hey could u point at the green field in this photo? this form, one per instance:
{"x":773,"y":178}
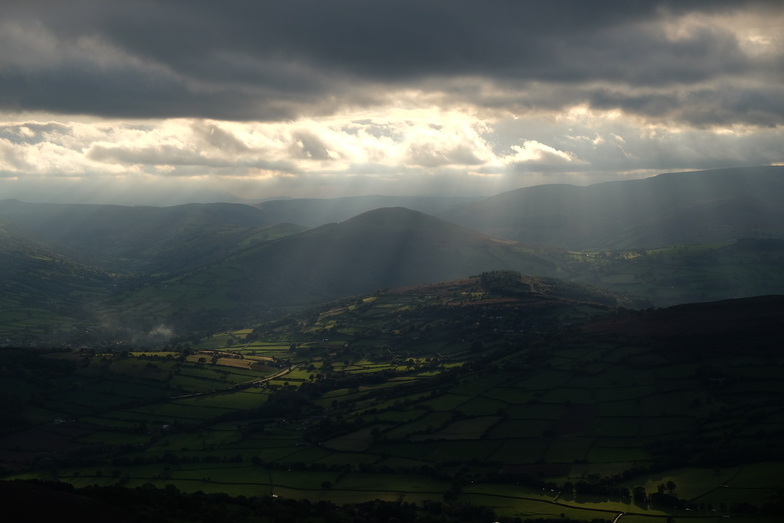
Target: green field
{"x":532,"y":426}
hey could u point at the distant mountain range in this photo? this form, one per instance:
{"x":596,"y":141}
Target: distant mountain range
{"x":155,"y":264}
{"x":669,"y":209}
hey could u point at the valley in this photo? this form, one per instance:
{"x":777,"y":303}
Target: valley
{"x":397,"y":361}
{"x":428,"y":391}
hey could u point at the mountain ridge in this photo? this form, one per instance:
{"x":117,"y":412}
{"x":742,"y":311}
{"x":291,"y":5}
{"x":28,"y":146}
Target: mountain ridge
{"x":605,"y":215}
{"x":379,"y":249}
{"x":313,"y":212}
{"x":139,"y":239}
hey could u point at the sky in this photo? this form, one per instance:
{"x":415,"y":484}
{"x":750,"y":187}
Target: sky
{"x":105,"y":100}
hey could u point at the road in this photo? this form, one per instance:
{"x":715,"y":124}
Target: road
{"x":234,"y":387}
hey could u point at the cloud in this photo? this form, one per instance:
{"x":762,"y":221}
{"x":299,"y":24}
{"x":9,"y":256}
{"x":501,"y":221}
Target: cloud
{"x":284,"y":60}
{"x":12,"y":157}
{"x":310,"y":147}
{"x":392,"y":152}
{"x":305,"y":97}
{"x":540,"y":154}
{"x":215,"y":136}
{"x":427,"y":155}
{"x":151,"y":155}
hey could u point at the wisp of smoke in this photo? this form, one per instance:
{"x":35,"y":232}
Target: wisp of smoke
{"x":161,"y":331}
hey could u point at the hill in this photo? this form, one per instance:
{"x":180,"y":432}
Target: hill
{"x":708,"y":328}
{"x":669,"y":209}
{"x":314,"y":212}
{"x":211,"y":267}
{"x":396,"y":247}
{"x":43,"y":290}
{"x":145,"y":239}
{"x":61,"y":264}
{"x":381,"y":248}
{"x":685,"y":273}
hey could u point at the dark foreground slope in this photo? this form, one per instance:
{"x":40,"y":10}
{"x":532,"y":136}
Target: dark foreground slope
{"x":44,"y":502}
{"x":747,"y":325}
{"x":669,"y":209}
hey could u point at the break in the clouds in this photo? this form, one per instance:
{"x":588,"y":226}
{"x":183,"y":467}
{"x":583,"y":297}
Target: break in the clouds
{"x":323,"y":98}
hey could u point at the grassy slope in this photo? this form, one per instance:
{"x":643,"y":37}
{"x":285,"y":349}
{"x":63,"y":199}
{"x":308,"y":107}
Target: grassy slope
{"x":393,"y":247}
{"x":686,"y":273}
{"x":41,"y":288}
{"x":47,"y":291}
{"x":572,"y":407}
{"x":366,"y":254}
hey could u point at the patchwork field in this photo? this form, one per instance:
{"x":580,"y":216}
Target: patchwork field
{"x":592,"y":422}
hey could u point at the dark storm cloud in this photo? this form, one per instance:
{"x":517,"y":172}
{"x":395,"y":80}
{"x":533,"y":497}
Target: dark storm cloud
{"x":136,"y":91}
{"x":279,"y":60}
{"x":701,"y":107}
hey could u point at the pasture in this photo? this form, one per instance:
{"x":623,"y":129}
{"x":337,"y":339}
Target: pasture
{"x":380,"y":409}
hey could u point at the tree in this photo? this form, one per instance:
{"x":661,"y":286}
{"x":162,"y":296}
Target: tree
{"x":639,"y":495}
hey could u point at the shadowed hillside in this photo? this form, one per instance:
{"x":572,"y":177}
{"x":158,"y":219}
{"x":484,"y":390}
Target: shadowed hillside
{"x":381,"y":248}
{"x":313,"y":212}
{"x":744,"y":325}
{"x":150,"y":239}
{"x":41,"y":287}
{"x":378,"y":249}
